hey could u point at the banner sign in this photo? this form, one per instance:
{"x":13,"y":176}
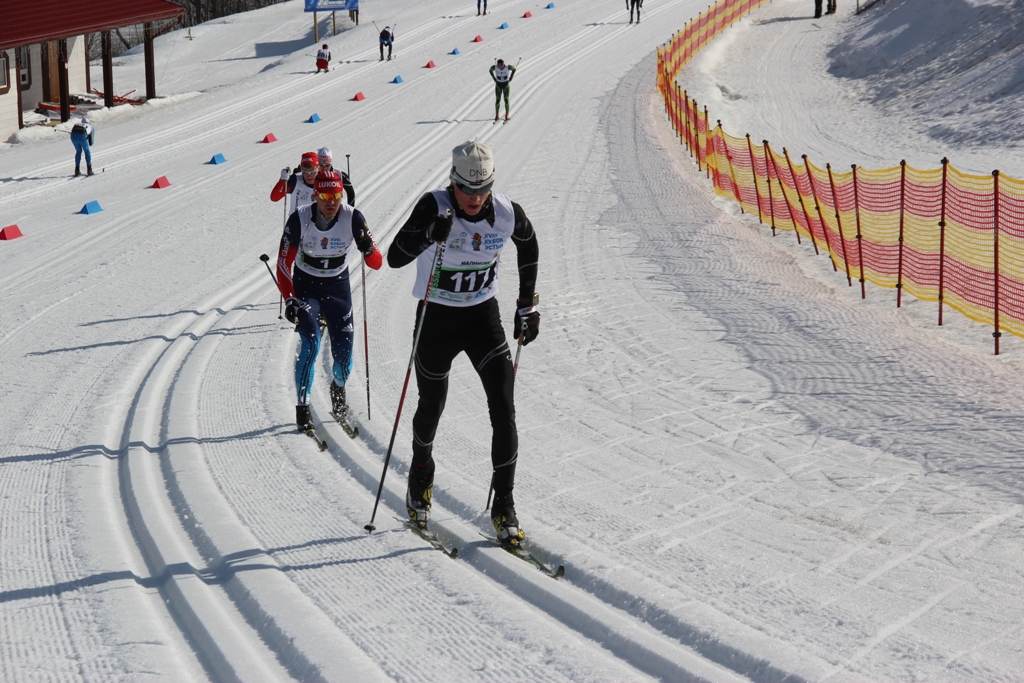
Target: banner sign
{"x":325,"y":5}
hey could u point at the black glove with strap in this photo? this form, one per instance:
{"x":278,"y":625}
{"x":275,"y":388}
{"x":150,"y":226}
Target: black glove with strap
{"x":292,"y":307}
{"x":527,"y":319}
{"x":441,"y":228}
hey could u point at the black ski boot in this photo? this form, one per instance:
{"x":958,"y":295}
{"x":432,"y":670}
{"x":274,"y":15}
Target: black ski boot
{"x":89,"y":170}
{"x":77,"y":172}
{"x":418,"y":497}
{"x":506,"y":524}
{"x":303,"y":420}
{"x":339,"y":406}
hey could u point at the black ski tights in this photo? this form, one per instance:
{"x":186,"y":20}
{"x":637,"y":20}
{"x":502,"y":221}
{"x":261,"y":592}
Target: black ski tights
{"x":447,"y":332}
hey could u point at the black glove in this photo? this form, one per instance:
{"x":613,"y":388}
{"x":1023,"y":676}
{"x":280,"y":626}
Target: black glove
{"x":527,"y":320}
{"x":441,"y":228}
{"x":291,"y":309}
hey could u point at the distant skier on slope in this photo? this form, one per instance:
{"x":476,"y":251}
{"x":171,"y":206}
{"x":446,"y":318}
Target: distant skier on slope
{"x":316,"y":241}
{"x":636,"y":5}
{"x":297,"y":184}
{"x":353,"y":10}
{"x":387,"y":37}
{"x":502,"y":74}
{"x":478,"y":7}
{"x":83,"y":136}
{"x":323,"y":59}
{"x":326,"y":159}
{"x":461,"y":315}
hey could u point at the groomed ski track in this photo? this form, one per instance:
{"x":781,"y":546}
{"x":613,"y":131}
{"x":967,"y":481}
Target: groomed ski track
{"x":163,"y":521}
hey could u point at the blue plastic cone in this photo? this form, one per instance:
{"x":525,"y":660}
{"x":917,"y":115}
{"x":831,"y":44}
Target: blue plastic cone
{"x":91,"y":207}
{"x":455,"y":51}
{"x":503,"y":25}
{"x":315,"y":118}
{"x":398,"y":79}
{"x":551,"y":5}
{"x":218,"y":158}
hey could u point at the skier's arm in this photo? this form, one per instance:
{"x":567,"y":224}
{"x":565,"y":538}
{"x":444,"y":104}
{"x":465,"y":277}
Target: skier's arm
{"x":511,"y":73}
{"x":286,"y":255}
{"x":350,"y":191}
{"x":414,"y":237}
{"x":283,"y":188}
{"x":364,"y":241}
{"x":528,"y":253}
{"x":493,"y":77}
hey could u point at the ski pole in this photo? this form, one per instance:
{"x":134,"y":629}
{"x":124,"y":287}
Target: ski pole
{"x":434,"y":273}
{"x":366,"y":329}
{"x":280,"y":301}
{"x":515,"y":368}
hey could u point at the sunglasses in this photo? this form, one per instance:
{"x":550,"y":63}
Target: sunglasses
{"x":328,"y":196}
{"x":307,"y":169}
{"x":470,"y":189}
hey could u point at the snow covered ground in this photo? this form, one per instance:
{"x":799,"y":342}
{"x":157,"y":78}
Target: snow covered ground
{"x":748,"y":473}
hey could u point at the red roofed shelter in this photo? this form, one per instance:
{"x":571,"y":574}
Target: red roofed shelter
{"x":52,"y":33}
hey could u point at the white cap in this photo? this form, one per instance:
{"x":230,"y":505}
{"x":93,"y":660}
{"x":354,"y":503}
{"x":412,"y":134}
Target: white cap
{"x":85,"y":119}
{"x":472,"y":164}
{"x":325,"y":156}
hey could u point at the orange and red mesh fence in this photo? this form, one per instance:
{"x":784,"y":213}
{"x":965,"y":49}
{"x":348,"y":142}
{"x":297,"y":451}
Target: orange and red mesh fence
{"x":940,"y":235}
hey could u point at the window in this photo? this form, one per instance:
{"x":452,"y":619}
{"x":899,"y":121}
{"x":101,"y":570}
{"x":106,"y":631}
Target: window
{"x":26,"y":67}
{"x":5,"y":73}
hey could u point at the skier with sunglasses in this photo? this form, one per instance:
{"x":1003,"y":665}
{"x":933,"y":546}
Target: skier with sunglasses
{"x":471,"y":224}
{"x":312,"y":274}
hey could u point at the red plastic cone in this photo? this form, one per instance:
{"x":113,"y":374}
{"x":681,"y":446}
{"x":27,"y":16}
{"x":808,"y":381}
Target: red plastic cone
{"x":11,"y":232}
{"x":269,"y":137}
{"x":527,"y":15}
{"x":478,"y":39}
{"x":430,"y":64}
{"x":359,"y":97}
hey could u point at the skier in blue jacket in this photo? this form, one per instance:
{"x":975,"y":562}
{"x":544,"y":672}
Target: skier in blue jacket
{"x":83,"y":136}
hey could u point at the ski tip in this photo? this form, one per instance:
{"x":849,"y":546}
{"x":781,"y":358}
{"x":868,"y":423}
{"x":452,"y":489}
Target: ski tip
{"x":454,"y":554}
{"x":560,"y":572}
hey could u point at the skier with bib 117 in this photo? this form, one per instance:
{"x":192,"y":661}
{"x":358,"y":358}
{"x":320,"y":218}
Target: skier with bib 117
{"x":312,"y":274}
{"x":465,"y":226}
{"x":323,"y":59}
{"x":299,"y":185}
{"x":502,"y":74}
{"x":387,"y":37}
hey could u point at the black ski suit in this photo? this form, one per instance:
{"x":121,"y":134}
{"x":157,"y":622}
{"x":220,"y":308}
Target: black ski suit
{"x":449,"y":330}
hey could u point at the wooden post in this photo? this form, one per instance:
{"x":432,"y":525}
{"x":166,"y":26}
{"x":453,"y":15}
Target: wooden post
{"x":88,"y":75}
{"x":696,"y":133}
{"x":17,"y":85}
{"x":942,"y":240}
{"x":316,"y":30}
{"x":768,"y":176}
{"x":680,"y":110}
{"x":707,"y":143}
{"x":62,"y":79}
{"x":334,"y":23}
{"x":150,"y":61}
{"x":108,"y":70}
{"x":860,"y":238}
{"x":899,"y":266}
{"x":803,"y":207}
{"x":996,"y":334}
{"x":686,"y":115}
{"x":817,"y":207}
{"x":839,"y":223}
{"x":753,"y":170}
{"x":732,"y":173}
{"x":782,"y":187}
